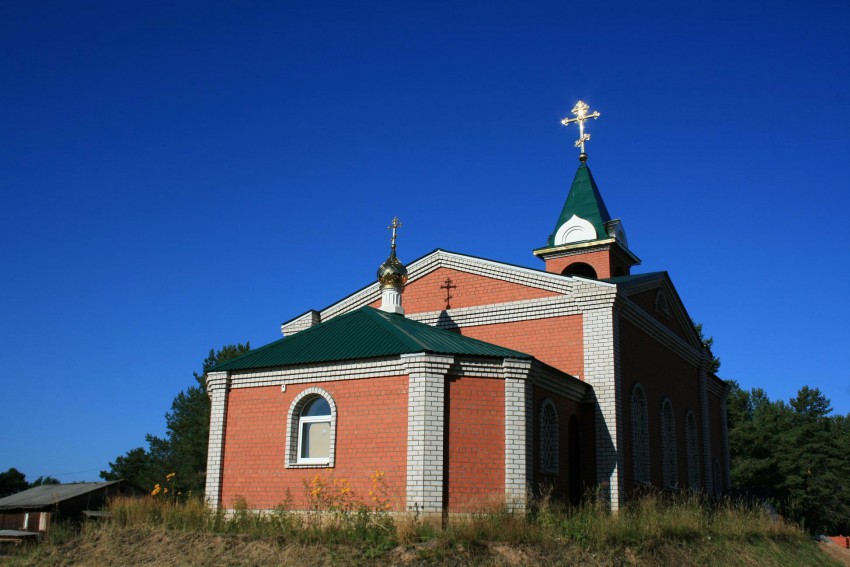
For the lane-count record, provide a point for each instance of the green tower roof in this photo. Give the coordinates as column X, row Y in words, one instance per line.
column 364, row 333
column 585, row 202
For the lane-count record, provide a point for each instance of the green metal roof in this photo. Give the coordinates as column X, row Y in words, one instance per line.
column 585, row 202
column 361, row 334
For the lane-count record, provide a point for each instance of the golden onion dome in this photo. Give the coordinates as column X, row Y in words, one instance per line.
column 392, row 273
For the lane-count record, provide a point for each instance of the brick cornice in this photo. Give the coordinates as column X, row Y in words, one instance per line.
column 320, row 372
column 423, row 364
column 217, row 381
column 559, row 383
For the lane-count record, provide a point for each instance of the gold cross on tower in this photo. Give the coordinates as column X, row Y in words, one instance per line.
column 394, row 226
column 580, row 111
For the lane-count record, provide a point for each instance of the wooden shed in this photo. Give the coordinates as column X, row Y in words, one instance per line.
column 33, row 510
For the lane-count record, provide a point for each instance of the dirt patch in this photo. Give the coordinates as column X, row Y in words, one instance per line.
column 840, row 554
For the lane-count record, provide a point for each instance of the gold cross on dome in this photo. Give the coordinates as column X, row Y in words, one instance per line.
column 394, row 226
column 581, row 116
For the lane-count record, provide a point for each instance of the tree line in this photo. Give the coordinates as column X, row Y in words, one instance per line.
column 13, row 481
column 795, row 454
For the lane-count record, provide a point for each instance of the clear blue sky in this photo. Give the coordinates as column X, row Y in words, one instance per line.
column 181, row 175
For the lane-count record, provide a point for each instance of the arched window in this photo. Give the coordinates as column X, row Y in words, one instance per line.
column 312, row 429
column 692, row 446
column 640, row 436
column 580, row 269
column 668, row 446
column 548, row 437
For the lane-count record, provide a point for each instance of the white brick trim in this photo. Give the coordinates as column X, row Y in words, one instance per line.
column 426, row 431
column 519, row 433
column 488, row 268
column 602, row 372
column 651, row 326
column 557, row 382
column 292, row 431
column 589, row 297
column 319, row 372
column 217, row 389
column 300, row 323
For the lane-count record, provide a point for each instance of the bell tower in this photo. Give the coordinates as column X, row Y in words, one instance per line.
column 586, row 241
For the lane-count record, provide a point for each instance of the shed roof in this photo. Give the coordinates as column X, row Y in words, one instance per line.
column 364, row 333
column 50, row 494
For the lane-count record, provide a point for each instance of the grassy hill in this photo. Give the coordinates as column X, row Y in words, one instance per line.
column 651, row 531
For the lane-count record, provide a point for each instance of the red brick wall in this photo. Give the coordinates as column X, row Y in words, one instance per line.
column 566, row 408
column 557, row 341
column 662, row 374
column 371, row 435
column 425, row 294
column 475, row 471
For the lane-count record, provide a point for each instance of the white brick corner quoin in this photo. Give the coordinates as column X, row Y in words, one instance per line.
column 518, row 432
column 426, row 431
column 602, row 372
column 218, row 387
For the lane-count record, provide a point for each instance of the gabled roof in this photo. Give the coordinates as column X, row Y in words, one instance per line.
column 439, row 258
column 364, row 333
column 637, row 283
column 50, row 494
column 584, row 201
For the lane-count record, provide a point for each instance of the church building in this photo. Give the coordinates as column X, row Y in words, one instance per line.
column 460, row 381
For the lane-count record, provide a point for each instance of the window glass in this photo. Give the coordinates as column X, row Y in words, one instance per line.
column 319, row 406
column 315, row 440
column 640, row 436
column 314, row 432
column 549, row 437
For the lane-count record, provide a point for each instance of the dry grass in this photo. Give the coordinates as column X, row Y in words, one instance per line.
column 653, row 530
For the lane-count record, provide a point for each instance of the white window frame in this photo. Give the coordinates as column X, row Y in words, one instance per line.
column 295, row 430
column 302, row 421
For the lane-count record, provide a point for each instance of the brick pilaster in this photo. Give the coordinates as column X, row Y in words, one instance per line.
column 426, row 431
column 602, row 372
column 519, row 432
column 218, row 388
